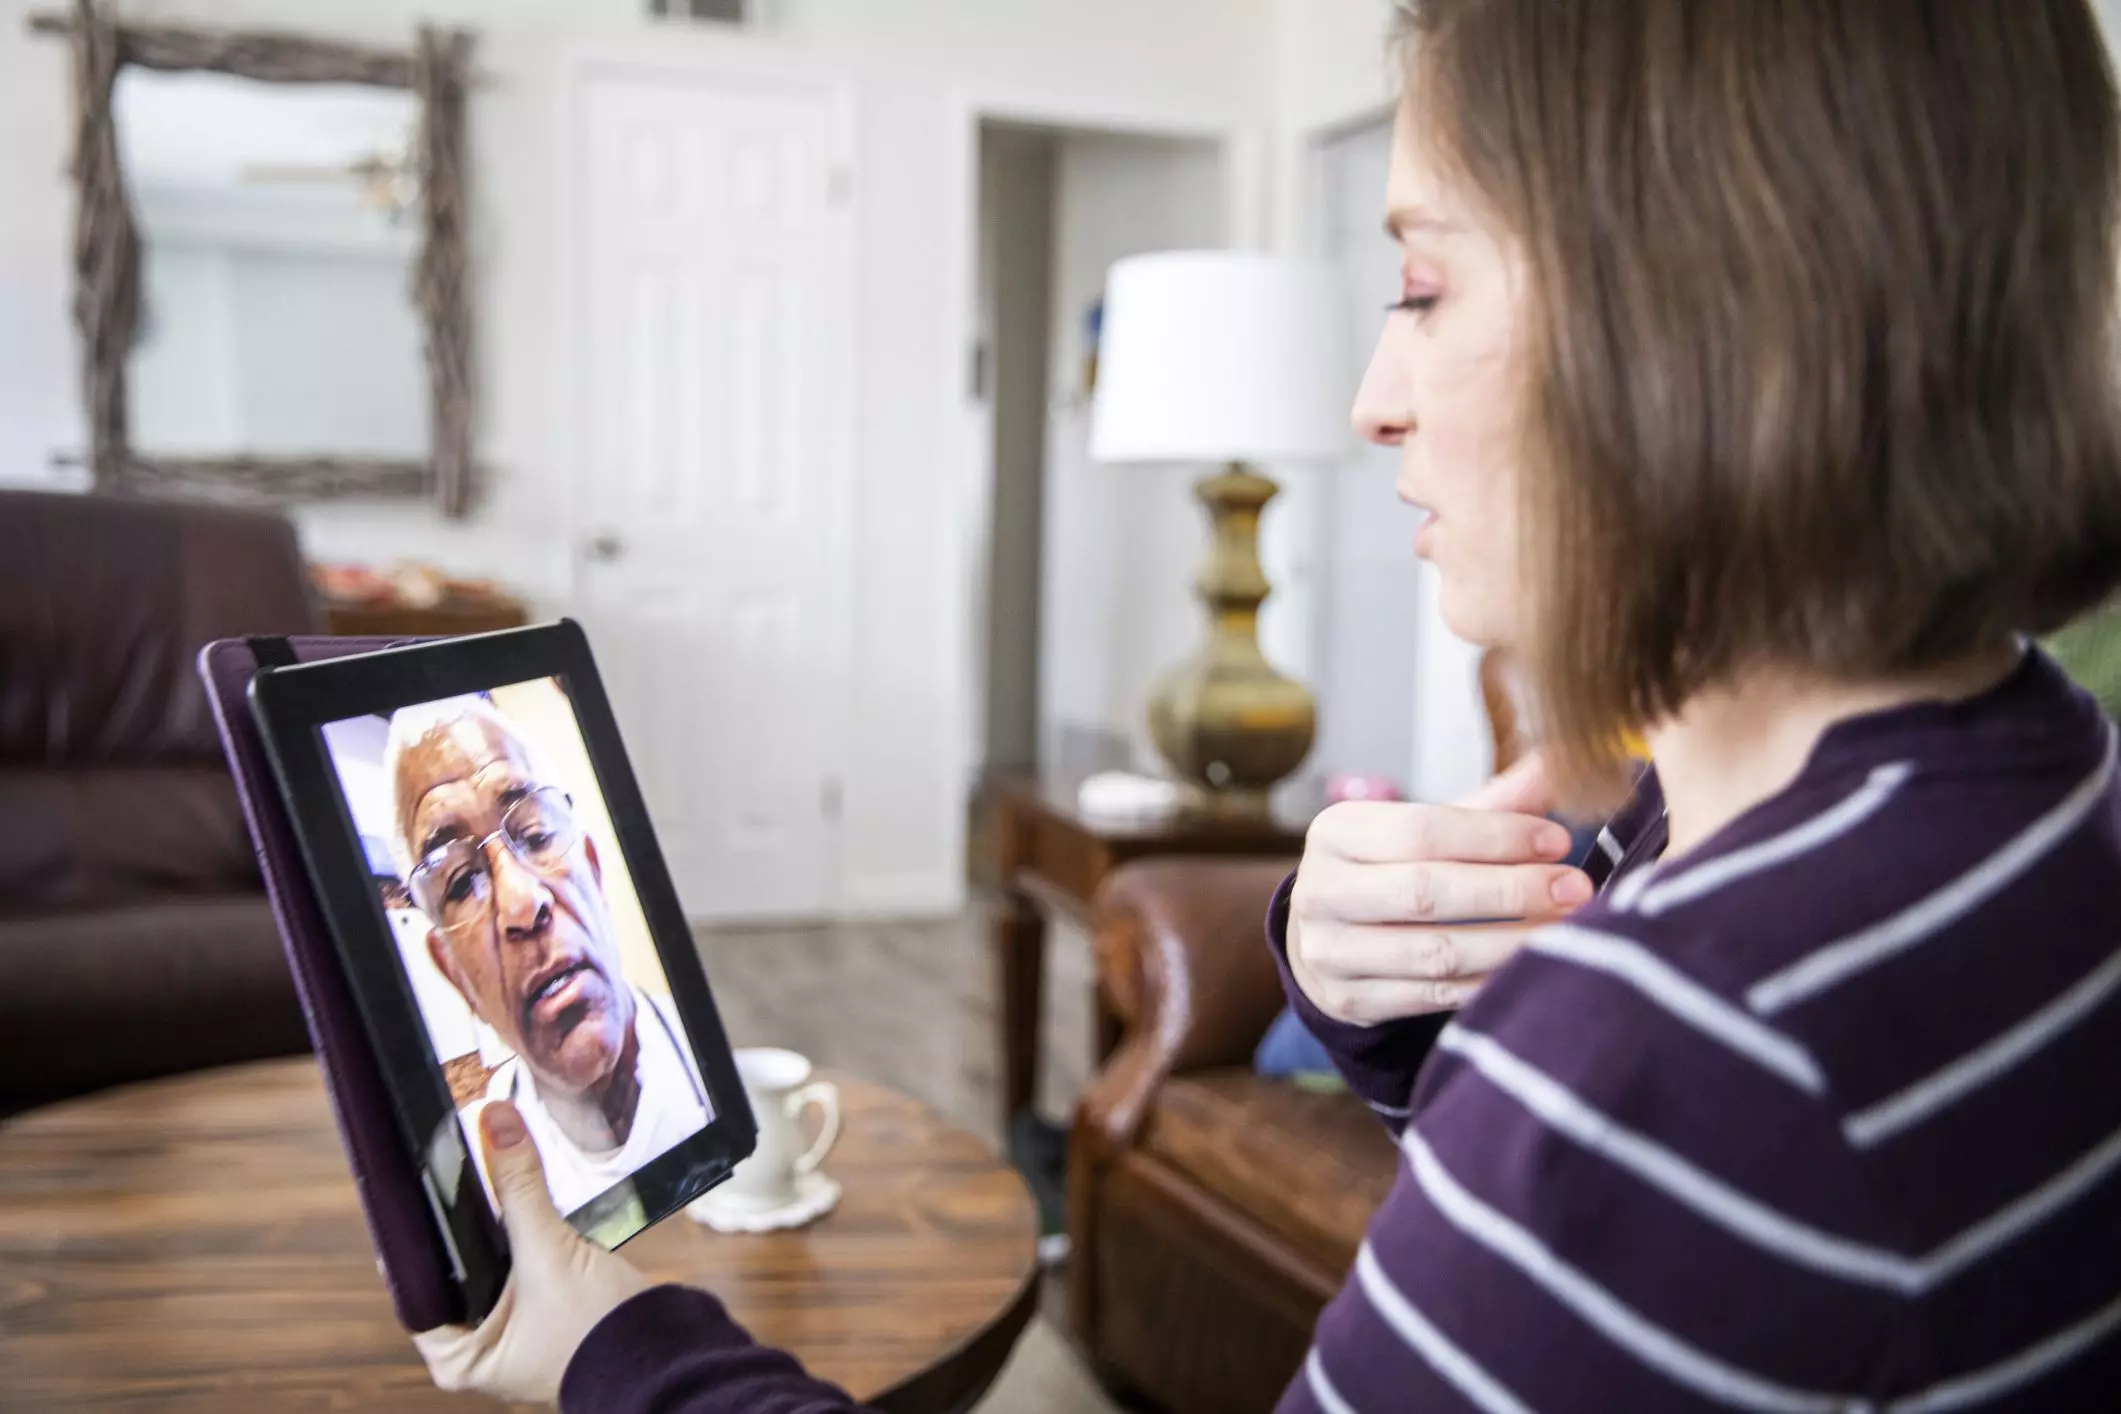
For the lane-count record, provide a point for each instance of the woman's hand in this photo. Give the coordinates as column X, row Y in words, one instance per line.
column 1373, row 921
column 561, row 1285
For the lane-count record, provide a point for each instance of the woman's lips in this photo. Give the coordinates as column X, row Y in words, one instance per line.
column 1425, row 535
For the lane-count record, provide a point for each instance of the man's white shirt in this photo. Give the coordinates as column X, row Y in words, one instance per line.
column 673, row 1108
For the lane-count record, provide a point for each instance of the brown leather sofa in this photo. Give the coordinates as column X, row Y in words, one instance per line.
column 1213, row 1213
column 135, row 939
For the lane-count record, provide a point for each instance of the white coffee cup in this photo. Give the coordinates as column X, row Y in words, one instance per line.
column 779, row 1087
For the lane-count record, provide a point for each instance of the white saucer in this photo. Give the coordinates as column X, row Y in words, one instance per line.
column 815, row 1196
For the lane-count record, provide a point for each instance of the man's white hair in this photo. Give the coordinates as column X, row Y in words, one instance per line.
column 409, row 726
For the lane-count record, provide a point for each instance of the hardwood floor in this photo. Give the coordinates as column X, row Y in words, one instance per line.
column 912, row 1005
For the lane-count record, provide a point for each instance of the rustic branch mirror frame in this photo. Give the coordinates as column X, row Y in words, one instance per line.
column 107, row 256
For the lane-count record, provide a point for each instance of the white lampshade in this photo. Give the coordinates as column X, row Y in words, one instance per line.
column 1217, row 355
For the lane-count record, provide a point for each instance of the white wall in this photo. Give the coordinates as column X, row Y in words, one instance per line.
column 916, row 65
column 1331, row 66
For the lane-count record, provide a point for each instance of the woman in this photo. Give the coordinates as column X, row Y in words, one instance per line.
column 1755, row 363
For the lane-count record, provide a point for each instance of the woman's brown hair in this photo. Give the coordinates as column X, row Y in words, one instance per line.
column 1822, row 367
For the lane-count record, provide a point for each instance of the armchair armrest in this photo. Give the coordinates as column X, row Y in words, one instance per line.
column 1185, row 978
column 1184, row 969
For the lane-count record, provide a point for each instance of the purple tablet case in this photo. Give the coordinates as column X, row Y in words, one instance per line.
column 411, row 1257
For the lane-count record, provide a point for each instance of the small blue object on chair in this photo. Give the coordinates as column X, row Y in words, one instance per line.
column 1289, row 1050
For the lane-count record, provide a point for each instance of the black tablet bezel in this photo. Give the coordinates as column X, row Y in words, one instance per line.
column 292, row 705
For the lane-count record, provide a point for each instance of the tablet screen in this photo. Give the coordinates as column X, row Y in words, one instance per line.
column 513, row 916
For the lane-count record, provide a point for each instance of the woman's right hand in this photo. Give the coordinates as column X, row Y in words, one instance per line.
column 1373, row 921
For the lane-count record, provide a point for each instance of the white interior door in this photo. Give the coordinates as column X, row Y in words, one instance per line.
column 711, row 231
column 1388, row 654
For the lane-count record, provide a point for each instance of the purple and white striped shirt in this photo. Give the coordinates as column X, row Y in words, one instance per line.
column 1825, row 1116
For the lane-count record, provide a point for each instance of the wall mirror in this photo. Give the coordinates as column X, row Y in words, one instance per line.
column 270, row 265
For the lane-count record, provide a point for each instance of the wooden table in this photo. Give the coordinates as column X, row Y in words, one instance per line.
column 194, row 1245
column 1050, row 856
column 444, row 620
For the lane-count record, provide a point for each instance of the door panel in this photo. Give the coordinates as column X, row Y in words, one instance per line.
column 705, row 574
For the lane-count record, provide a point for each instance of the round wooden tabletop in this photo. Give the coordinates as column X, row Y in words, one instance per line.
column 194, row 1244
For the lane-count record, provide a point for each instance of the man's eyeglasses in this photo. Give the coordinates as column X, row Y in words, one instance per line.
column 453, row 885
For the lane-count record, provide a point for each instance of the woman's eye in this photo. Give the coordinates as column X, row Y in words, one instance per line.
column 1413, row 304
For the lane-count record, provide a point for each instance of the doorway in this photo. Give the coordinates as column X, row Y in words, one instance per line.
column 1085, row 570
column 1013, row 358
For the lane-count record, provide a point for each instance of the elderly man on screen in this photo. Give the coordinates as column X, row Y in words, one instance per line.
column 514, row 894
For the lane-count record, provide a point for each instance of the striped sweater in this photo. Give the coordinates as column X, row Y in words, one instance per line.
column 1825, row 1116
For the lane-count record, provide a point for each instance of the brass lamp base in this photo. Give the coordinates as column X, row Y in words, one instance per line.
column 1225, row 719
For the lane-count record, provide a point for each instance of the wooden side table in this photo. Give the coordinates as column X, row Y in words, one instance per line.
column 1052, row 857
column 445, row 620
column 195, row 1245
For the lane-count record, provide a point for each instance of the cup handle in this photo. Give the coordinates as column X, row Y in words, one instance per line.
column 826, row 1096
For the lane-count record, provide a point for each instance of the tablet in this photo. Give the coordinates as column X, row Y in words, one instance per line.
column 487, row 869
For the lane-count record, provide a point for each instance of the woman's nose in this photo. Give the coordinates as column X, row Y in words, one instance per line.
column 1381, row 414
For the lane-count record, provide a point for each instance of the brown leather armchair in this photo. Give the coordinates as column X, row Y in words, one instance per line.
column 1213, row 1213
column 135, row 939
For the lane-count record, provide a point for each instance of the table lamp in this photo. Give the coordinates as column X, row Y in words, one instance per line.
column 1237, row 358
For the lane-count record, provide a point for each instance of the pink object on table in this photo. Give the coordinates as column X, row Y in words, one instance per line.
column 1346, row 786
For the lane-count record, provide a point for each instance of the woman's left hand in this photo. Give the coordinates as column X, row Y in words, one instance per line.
column 562, row 1284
